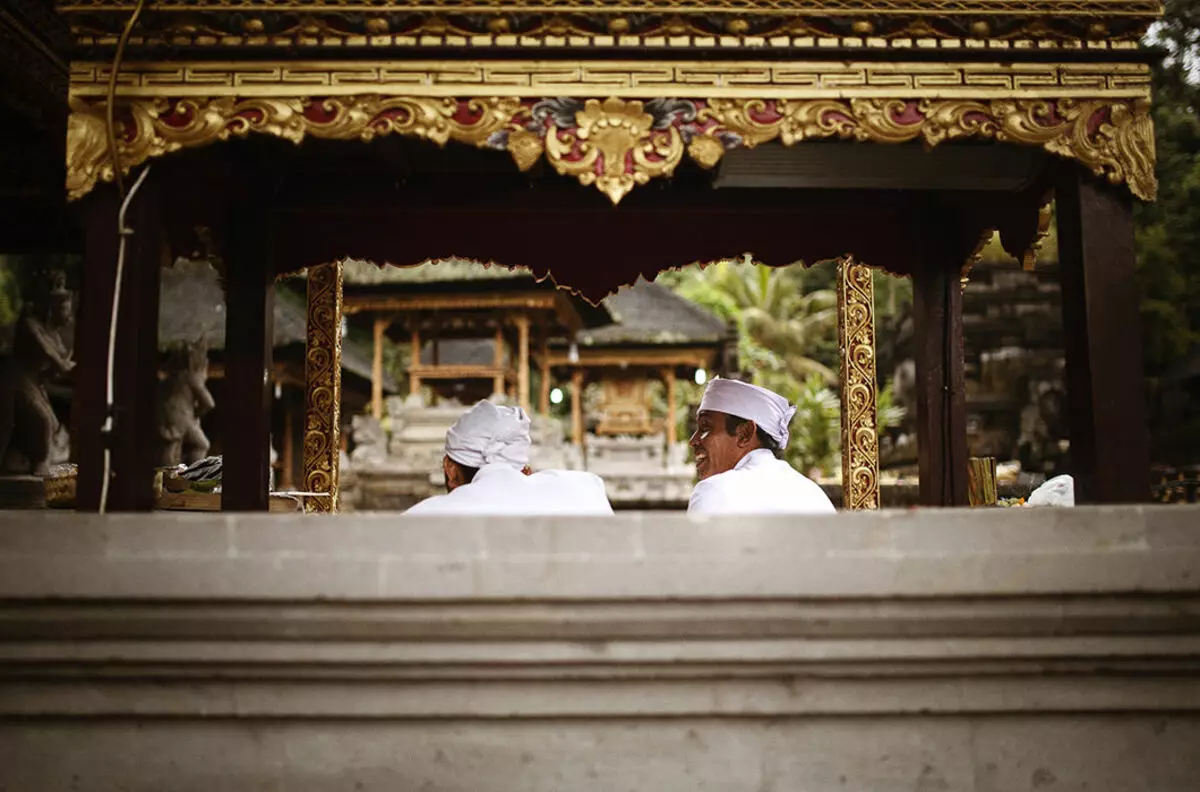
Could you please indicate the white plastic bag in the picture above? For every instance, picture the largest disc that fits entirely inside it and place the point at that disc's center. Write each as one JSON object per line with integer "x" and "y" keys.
{"x": 1058, "y": 491}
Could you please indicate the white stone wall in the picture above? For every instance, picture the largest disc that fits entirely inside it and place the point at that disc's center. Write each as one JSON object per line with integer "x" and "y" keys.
{"x": 979, "y": 650}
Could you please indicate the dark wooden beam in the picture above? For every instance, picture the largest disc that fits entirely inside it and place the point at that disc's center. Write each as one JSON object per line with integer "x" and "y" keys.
{"x": 1110, "y": 445}
{"x": 134, "y": 440}
{"x": 249, "y": 333}
{"x": 88, "y": 401}
{"x": 941, "y": 393}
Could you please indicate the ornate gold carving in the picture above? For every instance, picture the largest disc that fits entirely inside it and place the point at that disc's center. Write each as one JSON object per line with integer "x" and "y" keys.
{"x": 976, "y": 256}
{"x": 323, "y": 386}
{"x": 1089, "y": 8}
{"x": 230, "y": 24}
{"x": 1112, "y": 139}
{"x": 1045, "y": 220}
{"x": 611, "y": 135}
{"x": 681, "y": 79}
{"x": 154, "y": 127}
{"x": 856, "y": 339}
{"x": 616, "y": 144}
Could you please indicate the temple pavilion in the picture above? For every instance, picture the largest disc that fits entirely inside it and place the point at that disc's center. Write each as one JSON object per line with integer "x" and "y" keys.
{"x": 594, "y": 143}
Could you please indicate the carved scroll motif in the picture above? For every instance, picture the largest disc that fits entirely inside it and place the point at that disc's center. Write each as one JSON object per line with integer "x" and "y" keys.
{"x": 323, "y": 386}
{"x": 615, "y": 144}
{"x": 856, "y": 340}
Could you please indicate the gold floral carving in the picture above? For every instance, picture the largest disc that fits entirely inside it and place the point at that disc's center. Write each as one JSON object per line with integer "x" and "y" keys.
{"x": 323, "y": 386}
{"x": 615, "y": 143}
{"x": 153, "y": 127}
{"x": 856, "y": 339}
{"x": 611, "y": 135}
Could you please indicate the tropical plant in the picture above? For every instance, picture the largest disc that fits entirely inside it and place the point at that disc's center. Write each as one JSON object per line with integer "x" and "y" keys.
{"x": 778, "y": 320}
{"x": 787, "y": 341}
{"x": 1168, "y": 231}
{"x": 815, "y": 444}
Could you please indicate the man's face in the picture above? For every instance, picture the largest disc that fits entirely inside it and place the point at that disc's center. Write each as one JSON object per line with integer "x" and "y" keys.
{"x": 716, "y": 450}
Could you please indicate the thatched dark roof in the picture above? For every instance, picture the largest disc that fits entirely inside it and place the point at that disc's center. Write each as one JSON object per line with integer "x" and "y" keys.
{"x": 647, "y": 313}
{"x": 365, "y": 273}
{"x": 193, "y": 307}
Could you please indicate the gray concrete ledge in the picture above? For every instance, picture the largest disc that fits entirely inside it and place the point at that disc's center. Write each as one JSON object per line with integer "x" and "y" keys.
{"x": 641, "y": 555}
{"x": 938, "y": 651}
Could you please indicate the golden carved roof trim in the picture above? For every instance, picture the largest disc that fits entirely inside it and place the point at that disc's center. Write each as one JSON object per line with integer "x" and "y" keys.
{"x": 615, "y": 144}
{"x": 622, "y": 79}
{"x": 229, "y": 24}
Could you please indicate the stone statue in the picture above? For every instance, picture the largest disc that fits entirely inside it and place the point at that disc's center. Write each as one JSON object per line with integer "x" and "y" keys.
{"x": 39, "y": 354}
{"x": 183, "y": 399}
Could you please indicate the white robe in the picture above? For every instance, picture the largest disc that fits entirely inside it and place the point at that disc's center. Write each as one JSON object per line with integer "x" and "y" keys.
{"x": 499, "y": 489}
{"x": 759, "y": 484}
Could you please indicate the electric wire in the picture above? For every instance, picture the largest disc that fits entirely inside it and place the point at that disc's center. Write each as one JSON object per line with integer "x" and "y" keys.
{"x": 106, "y": 429}
{"x": 123, "y": 232}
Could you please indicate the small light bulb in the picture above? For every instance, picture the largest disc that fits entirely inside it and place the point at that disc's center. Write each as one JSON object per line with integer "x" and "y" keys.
{"x": 701, "y": 376}
{"x": 556, "y": 396}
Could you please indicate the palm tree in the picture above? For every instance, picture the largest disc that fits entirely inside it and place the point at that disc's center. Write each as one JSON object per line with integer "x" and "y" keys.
{"x": 779, "y": 323}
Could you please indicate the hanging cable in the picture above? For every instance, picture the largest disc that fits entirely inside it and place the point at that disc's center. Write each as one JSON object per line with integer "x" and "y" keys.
{"x": 114, "y": 155}
{"x": 109, "y": 406}
{"x": 114, "y": 152}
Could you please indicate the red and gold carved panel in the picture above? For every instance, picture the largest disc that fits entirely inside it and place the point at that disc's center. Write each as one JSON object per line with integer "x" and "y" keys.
{"x": 616, "y": 144}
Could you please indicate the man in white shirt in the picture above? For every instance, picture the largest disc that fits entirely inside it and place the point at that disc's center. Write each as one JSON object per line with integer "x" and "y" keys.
{"x": 742, "y": 430}
{"x": 487, "y": 472}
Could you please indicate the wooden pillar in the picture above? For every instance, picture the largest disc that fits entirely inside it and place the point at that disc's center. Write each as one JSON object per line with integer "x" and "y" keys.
{"x": 414, "y": 379}
{"x": 249, "y": 337}
{"x": 1110, "y": 446}
{"x": 577, "y": 407}
{"x": 669, "y": 378}
{"x": 858, "y": 386}
{"x": 88, "y": 400}
{"x": 941, "y": 393}
{"x": 381, "y": 324}
{"x": 544, "y": 384}
{"x": 498, "y": 361}
{"x": 323, "y": 386}
{"x": 522, "y": 323}
{"x": 134, "y": 440}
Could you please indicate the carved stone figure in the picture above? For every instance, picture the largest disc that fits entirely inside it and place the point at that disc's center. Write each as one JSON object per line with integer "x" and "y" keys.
{"x": 183, "y": 400}
{"x": 27, "y": 421}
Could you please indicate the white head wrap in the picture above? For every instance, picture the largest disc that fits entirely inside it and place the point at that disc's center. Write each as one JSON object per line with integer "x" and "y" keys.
{"x": 487, "y": 434}
{"x": 770, "y": 411}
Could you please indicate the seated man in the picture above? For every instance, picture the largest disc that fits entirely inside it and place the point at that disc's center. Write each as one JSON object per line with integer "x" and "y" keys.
{"x": 742, "y": 430}
{"x": 487, "y": 472}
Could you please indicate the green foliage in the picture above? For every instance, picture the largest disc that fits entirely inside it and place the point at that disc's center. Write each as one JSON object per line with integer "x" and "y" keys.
{"x": 779, "y": 321}
{"x": 787, "y": 341}
{"x": 815, "y": 444}
{"x": 1168, "y": 231}
{"x": 10, "y": 293}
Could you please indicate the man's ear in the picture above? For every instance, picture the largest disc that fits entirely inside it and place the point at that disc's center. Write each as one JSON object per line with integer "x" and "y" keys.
{"x": 746, "y": 433}
{"x": 452, "y": 473}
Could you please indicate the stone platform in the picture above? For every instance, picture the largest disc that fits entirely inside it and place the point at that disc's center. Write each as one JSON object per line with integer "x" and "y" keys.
{"x": 979, "y": 651}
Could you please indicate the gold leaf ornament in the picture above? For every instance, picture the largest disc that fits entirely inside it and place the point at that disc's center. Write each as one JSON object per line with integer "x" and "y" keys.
{"x": 614, "y": 147}
{"x": 526, "y": 148}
